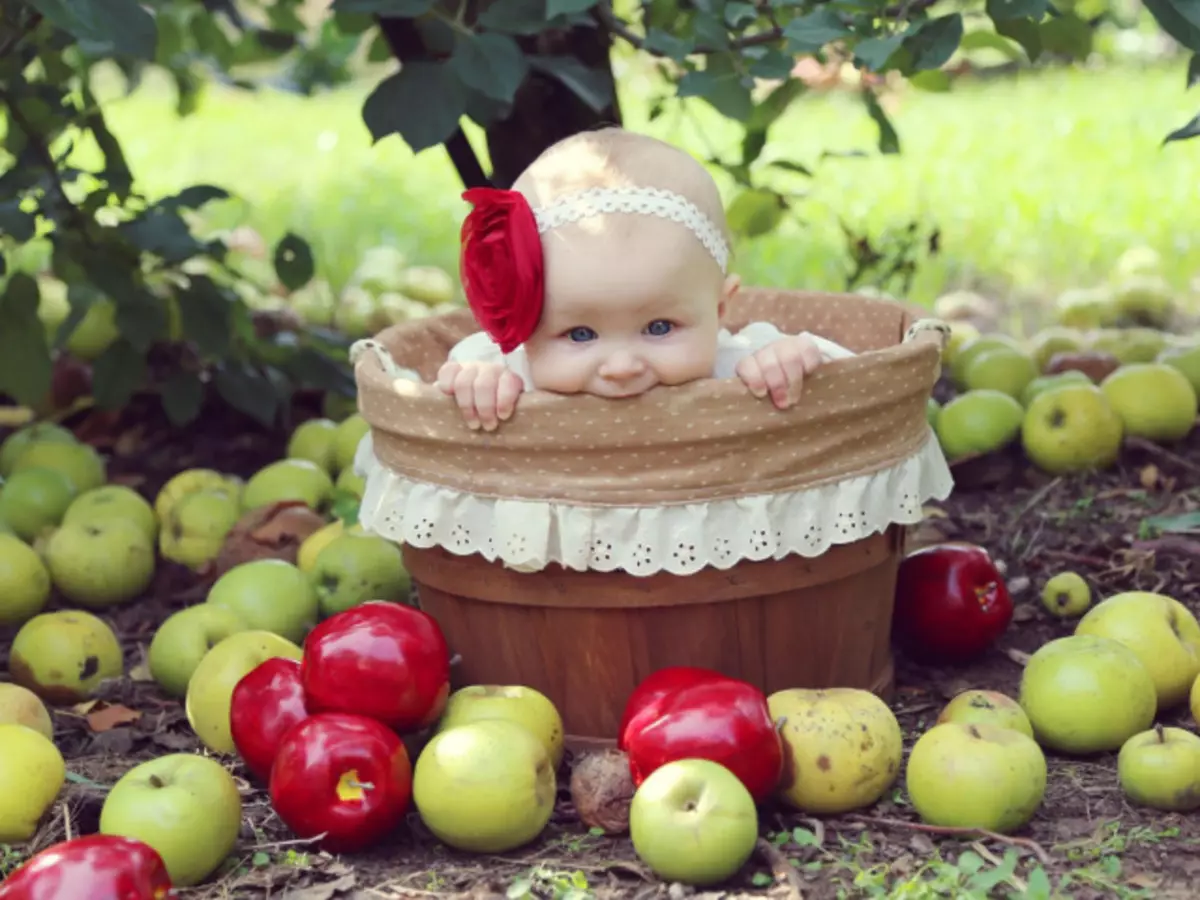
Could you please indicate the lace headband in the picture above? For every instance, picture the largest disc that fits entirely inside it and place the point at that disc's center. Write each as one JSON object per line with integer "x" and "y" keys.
{"x": 501, "y": 264}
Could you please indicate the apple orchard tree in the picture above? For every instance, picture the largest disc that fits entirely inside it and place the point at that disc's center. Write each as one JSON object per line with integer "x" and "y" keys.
{"x": 528, "y": 72}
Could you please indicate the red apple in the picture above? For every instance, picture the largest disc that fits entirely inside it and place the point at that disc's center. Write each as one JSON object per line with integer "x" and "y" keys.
{"x": 344, "y": 776}
{"x": 96, "y": 867}
{"x": 645, "y": 701}
{"x": 383, "y": 660}
{"x": 266, "y": 703}
{"x": 951, "y": 603}
{"x": 724, "y": 720}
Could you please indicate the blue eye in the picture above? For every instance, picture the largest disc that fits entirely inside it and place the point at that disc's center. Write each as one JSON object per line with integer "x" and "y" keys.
{"x": 581, "y": 334}
{"x": 659, "y": 327}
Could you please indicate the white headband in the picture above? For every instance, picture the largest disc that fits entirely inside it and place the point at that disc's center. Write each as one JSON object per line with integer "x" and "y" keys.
{"x": 643, "y": 201}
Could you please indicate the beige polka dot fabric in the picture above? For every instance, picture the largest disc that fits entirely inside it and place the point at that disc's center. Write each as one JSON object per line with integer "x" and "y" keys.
{"x": 707, "y": 440}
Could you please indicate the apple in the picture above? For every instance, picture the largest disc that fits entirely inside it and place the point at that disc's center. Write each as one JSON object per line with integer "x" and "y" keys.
{"x": 646, "y": 702}
{"x": 932, "y": 409}
{"x": 188, "y": 481}
{"x": 266, "y": 703}
{"x": 961, "y": 334}
{"x": 1144, "y": 298}
{"x": 313, "y": 440}
{"x": 270, "y": 595}
{"x": 64, "y": 656}
{"x": 195, "y": 529}
{"x": 382, "y": 660}
{"x": 311, "y": 546}
{"x": 951, "y": 603}
{"x": 515, "y": 703}
{"x": 34, "y": 500}
{"x": 987, "y": 707}
{"x": 1095, "y": 365}
{"x": 21, "y": 706}
{"x": 183, "y": 639}
{"x": 100, "y": 564}
{"x": 81, "y": 464}
{"x": 976, "y": 347}
{"x": 24, "y": 582}
{"x": 92, "y": 867}
{"x": 184, "y": 805}
{"x": 96, "y": 331}
{"x": 427, "y": 284}
{"x": 1160, "y": 768}
{"x": 32, "y": 772}
{"x": 485, "y": 787}
{"x": 693, "y": 821}
{"x": 210, "y": 690}
{"x": 1085, "y": 308}
{"x": 350, "y": 431}
{"x": 351, "y": 482}
{"x": 1043, "y": 383}
{"x": 1138, "y": 260}
{"x": 843, "y": 748}
{"x": 1129, "y": 345}
{"x": 39, "y": 432}
{"x": 978, "y": 422}
{"x": 1085, "y": 694}
{"x": 288, "y": 479}
{"x": 1066, "y": 595}
{"x": 1185, "y": 358}
{"x": 1000, "y": 369}
{"x": 1155, "y": 401}
{"x": 355, "y": 568}
{"x": 1160, "y": 630}
{"x": 379, "y": 269}
{"x": 975, "y": 775}
{"x": 113, "y": 501}
{"x": 1071, "y": 428}
{"x": 1052, "y": 340}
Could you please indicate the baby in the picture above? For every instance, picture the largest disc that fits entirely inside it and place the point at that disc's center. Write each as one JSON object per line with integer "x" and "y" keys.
{"x": 604, "y": 271}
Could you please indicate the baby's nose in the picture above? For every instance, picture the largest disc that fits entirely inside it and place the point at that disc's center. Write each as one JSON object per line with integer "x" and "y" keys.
{"x": 622, "y": 365}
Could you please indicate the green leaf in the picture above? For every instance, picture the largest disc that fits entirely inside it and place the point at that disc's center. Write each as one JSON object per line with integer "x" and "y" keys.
{"x": 1017, "y": 9}
{"x": 294, "y": 262}
{"x": 403, "y": 9}
{"x": 248, "y": 391}
{"x": 492, "y": 64}
{"x": 773, "y": 65}
{"x": 163, "y": 232}
{"x": 568, "y": 7}
{"x": 739, "y": 15}
{"x": 989, "y": 40}
{"x": 593, "y": 86}
{"x": 1193, "y": 70}
{"x": 722, "y": 86}
{"x": 935, "y": 81}
{"x": 141, "y": 318}
{"x": 312, "y": 368}
{"x": 659, "y": 41}
{"x": 206, "y": 314}
{"x": 809, "y": 33}
{"x": 15, "y": 223}
{"x": 104, "y": 27}
{"x": 1178, "y": 18}
{"x": 193, "y": 197}
{"x": 516, "y": 17}
{"x": 875, "y": 53}
{"x": 25, "y": 365}
{"x": 889, "y": 141}
{"x": 345, "y": 505}
{"x": 1067, "y": 35}
{"x": 116, "y": 374}
{"x": 1024, "y": 32}
{"x": 422, "y": 103}
{"x": 182, "y": 396}
{"x": 755, "y": 212}
{"x": 710, "y": 31}
{"x": 1188, "y": 131}
{"x": 934, "y": 41}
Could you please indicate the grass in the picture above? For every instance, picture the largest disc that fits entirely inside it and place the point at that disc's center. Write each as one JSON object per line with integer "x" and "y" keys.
{"x": 1036, "y": 183}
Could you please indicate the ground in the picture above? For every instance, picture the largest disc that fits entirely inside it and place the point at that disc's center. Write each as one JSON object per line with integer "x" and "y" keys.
{"x": 1086, "y": 841}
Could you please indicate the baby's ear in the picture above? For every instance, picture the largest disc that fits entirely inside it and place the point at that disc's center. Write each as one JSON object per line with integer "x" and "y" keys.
{"x": 733, "y": 284}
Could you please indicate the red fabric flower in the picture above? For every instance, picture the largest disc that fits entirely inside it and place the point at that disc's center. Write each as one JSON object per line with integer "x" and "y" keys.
{"x": 501, "y": 265}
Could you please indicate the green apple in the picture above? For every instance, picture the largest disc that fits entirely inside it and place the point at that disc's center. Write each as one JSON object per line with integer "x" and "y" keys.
{"x": 351, "y": 482}
{"x": 978, "y": 422}
{"x": 96, "y": 331}
{"x": 182, "y": 640}
{"x": 35, "y": 500}
{"x": 24, "y": 582}
{"x": 1144, "y": 299}
{"x": 1129, "y": 345}
{"x": 269, "y": 595}
{"x": 195, "y": 529}
{"x": 1043, "y": 383}
{"x": 379, "y": 269}
{"x": 1052, "y": 340}
{"x": 64, "y": 656}
{"x": 210, "y": 689}
{"x": 354, "y": 312}
{"x": 190, "y": 481}
{"x": 1160, "y": 769}
{"x": 1071, "y": 428}
{"x": 975, "y": 775}
{"x": 82, "y": 465}
{"x": 102, "y": 563}
{"x": 21, "y": 706}
{"x": 53, "y": 305}
{"x": 288, "y": 479}
{"x": 1138, "y": 260}
{"x": 1000, "y": 369}
{"x": 1085, "y": 694}
{"x": 484, "y": 787}
{"x": 350, "y": 431}
{"x": 986, "y": 707}
{"x": 514, "y": 703}
{"x": 39, "y": 432}
{"x": 1085, "y": 308}
{"x": 1161, "y": 632}
{"x": 961, "y": 334}
{"x": 1066, "y": 595}
{"x": 427, "y": 284}
{"x": 32, "y": 772}
{"x": 355, "y": 568}
{"x": 184, "y": 805}
{"x": 311, "y": 547}
{"x": 976, "y": 347}
{"x": 693, "y": 821}
{"x": 1155, "y": 401}
{"x": 113, "y": 501}
{"x": 313, "y": 440}
{"x": 1185, "y": 358}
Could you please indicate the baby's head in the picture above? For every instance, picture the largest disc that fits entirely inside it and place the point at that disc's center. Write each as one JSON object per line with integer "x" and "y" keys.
{"x": 632, "y": 300}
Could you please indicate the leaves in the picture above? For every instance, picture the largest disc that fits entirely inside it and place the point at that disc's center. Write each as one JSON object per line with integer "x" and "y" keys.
{"x": 1193, "y": 71}
{"x": 294, "y": 264}
{"x": 182, "y": 395}
{"x": 934, "y": 41}
{"x": 25, "y": 366}
{"x": 116, "y": 374}
{"x": 1178, "y": 18}
{"x": 206, "y": 312}
{"x": 593, "y": 86}
{"x": 492, "y": 64}
{"x": 405, "y": 9}
{"x": 568, "y": 7}
{"x": 16, "y": 223}
{"x": 721, "y": 85}
{"x": 248, "y": 390}
{"x": 520, "y": 17}
{"x": 104, "y": 27}
{"x": 755, "y": 212}
{"x": 889, "y": 141}
{"x": 422, "y": 103}
{"x": 809, "y": 33}
{"x": 1188, "y": 131}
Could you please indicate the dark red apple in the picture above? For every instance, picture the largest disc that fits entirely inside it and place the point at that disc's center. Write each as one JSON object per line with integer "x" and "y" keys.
{"x": 95, "y": 867}
{"x": 951, "y": 603}
{"x": 345, "y": 776}
{"x": 383, "y": 660}
{"x": 266, "y": 703}
{"x": 645, "y": 701}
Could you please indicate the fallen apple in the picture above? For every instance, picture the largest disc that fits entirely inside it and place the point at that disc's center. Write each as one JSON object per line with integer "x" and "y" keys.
{"x": 113, "y": 501}
{"x": 288, "y": 479}
{"x": 1066, "y": 595}
{"x": 1160, "y": 769}
{"x": 183, "y": 639}
{"x": 270, "y": 595}
{"x": 39, "y": 432}
{"x": 1071, "y": 428}
{"x": 355, "y": 568}
{"x": 1095, "y": 364}
{"x": 516, "y": 703}
{"x": 32, "y": 772}
{"x": 1001, "y": 369}
{"x": 24, "y": 582}
{"x": 21, "y": 706}
{"x": 195, "y": 529}
{"x": 350, "y": 431}
{"x": 1185, "y": 358}
{"x": 184, "y": 805}
{"x": 265, "y": 704}
{"x": 351, "y": 482}
{"x": 64, "y": 656}
{"x": 981, "y": 421}
{"x": 92, "y": 867}
{"x": 80, "y": 463}
{"x": 1155, "y": 401}
{"x": 693, "y": 821}
{"x": 975, "y": 776}
{"x": 1052, "y": 340}
{"x": 101, "y": 563}
{"x": 313, "y": 440}
{"x": 1044, "y": 383}
{"x": 986, "y": 707}
{"x": 485, "y": 787}
{"x": 644, "y": 704}
{"x": 34, "y": 500}
{"x": 189, "y": 481}
{"x": 975, "y": 348}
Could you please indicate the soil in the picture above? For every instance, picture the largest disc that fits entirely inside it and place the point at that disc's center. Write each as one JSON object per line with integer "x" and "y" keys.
{"x": 1086, "y": 840}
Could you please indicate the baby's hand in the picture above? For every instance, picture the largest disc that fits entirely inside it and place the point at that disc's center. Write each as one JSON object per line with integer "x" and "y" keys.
{"x": 486, "y": 392}
{"x": 779, "y": 368}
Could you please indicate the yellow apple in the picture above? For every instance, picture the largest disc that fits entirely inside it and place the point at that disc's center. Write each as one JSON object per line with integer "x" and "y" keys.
{"x": 288, "y": 479}
{"x": 21, "y": 706}
{"x": 313, "y": 440}
{"x": 184, "y": 638}
{"x": 269, "y": 595}
{"x": 350, "y": 431}
{"x": 986, "y": 707}
{"x": 1160, "y": 768}
{"x": 1185, "y": 358}
{"x": 1066, "y": 595}
{"x": 101, "y": 563}
{"x": 963, "y": 304}
{"x": 1140, "y": 259}
{"x": 515, "y": 703}
{"x": 14, "y": 445}
{"x": 1155, "y": 401}
{"x": 113, "y": 501}
{"x": 33, "y": 502}
{"x": 32, "y": 772}
{"x": 1000, "y": 369}
{"x": 978, "y": 422}
{"x": 64, "y": 656}
{"x": 80, "y": 463}
{"x": 1054, "y": 339}
{"x": 191, "y": 480}
{"x": 195, "y": 529}
{"x": 1044, "y": 383}
{"x": 1071, "y": 428}
{"x": 1144, "y": 298}
{"x": 24, "y": 581}
{"x": 1085, "y": 308}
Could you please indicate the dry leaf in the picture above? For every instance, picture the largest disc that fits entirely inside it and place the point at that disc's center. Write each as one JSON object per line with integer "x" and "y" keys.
{"x": 141, "y": 672}
{"x": 84, "y": 708}
{"x": 1019, "y": 657}
{"x": 1023, "y": 612}
{"x": 934, "y": 512}
{"x": 110, "y": 717}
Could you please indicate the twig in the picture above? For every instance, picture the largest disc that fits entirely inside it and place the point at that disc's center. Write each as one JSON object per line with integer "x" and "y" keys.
{"x": 1171, "y": 543}
{"x": 951, "y": 831}
{"x": 1093, "y": 561}
{"x": 1153, "y": 449}
{"x": 1038, "y": 496}
{"x": 66, "y": 817}
{"x": 295, "y": 842}
{"x": 781, "y": 868}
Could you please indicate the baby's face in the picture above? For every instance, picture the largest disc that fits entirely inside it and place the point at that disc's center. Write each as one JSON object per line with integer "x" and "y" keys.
{"x": 619, "y": 321}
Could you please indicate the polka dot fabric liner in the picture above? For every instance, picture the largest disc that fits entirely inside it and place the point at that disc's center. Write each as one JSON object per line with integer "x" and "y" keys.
{"x": 674, "y": 480}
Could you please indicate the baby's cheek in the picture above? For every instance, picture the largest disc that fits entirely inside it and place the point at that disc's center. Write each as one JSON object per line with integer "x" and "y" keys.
{"x": 550, "y": 369}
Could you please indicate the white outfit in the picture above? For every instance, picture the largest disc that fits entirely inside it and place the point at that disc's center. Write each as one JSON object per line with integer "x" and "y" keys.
{"x": 731, "y": 349}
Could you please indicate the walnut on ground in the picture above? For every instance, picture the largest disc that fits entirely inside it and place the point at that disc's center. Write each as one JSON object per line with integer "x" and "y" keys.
{"x": 602, "y": 789}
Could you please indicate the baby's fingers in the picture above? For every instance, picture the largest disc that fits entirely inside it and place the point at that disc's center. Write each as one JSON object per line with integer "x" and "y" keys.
{"x": 774, "y": 375}
{"x": 752, "y": 376}
{"x": 465, "y": 389}
{"x": 447, "y": 375}
{"x": 507, "y": 392}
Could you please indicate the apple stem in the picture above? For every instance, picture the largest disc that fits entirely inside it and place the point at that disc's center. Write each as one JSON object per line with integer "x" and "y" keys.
{"x": 364, "y": 785}
{"x": 974, "y": 732}
{"x": 1158, "y": 730}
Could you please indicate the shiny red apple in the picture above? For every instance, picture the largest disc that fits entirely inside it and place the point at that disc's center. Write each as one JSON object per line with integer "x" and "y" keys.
{"x": 645, "y": 701}
{"x": 951, "y": 603}
{"x": 345, "y": 776}
{"x": 95, "y": 867}
{"x": 266, "y": 703}
{"x": 383, "y": 660}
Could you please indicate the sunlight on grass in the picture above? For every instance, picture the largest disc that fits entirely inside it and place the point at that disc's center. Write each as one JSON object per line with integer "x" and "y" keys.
{"x": 1037, "y": 182}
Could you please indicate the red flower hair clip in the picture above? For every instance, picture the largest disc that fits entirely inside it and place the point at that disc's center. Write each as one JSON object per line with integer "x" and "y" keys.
{"x": 501, "y": 265}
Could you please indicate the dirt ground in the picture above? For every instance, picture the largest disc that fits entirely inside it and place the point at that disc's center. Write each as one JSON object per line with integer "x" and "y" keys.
{"x": 1086, "y": 841}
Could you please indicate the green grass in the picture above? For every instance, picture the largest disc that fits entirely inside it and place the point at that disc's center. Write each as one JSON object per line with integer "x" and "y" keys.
{"x": 1036, "y": 183}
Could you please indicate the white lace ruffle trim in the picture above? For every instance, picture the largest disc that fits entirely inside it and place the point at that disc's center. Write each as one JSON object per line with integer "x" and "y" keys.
{"x": 528, "y": 535}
